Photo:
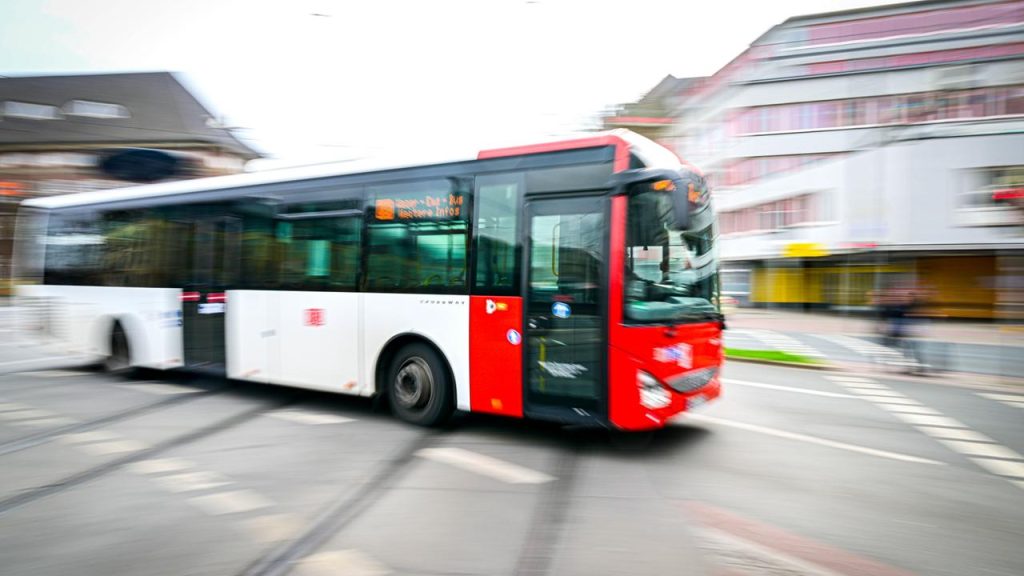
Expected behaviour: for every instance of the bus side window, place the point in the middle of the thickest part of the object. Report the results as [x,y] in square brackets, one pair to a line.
[74,249]
[316,245]
[259,262]
[416,237]
[497,228]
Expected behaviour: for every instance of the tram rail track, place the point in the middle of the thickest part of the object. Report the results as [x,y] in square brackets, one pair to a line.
[44,436]
[73,480]
[346,508]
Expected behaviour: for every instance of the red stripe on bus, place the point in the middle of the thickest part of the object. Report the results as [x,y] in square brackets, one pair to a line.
[624,408]
[496,355]
[216,297]
[621,162]
[1008,194]
[190,296]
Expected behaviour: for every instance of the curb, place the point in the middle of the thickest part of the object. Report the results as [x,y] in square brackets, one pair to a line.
[967,380]
[970,380]
[781,363]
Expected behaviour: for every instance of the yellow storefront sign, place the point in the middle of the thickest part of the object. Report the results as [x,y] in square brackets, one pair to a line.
[804,250]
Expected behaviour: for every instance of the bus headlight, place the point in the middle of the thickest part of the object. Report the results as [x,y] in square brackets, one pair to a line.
[652,393]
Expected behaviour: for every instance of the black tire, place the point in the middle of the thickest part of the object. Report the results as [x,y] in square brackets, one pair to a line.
[119,361]
[419,389]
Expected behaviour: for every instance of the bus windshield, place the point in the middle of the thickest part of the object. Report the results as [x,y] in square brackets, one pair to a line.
[671,275]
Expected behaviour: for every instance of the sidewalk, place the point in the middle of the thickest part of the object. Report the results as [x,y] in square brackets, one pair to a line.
[959,350]
[954,332]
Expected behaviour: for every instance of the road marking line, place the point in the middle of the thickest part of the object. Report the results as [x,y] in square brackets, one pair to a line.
[274,527]
[485,465]
[26,414]
[160,465]
[891,400]
[981,449]
[850,379]
[926,420]
[1007,399]
[905,409]
[865,386]
[733,548]
[192,481]
[156,388]
[347,562]
[89,436]
[786,388]
[784,342]
[809,439]
[862,347]
[880,392]
[1002,467]
[304,417]
[820,555]
[113,447]
[234,502]
[54,421]
[1002,397]
[955,434]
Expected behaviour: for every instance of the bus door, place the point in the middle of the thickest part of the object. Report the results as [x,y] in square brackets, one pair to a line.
[213,256]
[564,334]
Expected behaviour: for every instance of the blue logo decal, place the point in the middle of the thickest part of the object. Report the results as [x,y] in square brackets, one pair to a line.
[513,336]
[561,310]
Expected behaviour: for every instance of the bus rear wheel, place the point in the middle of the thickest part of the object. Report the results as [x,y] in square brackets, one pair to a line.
[119,361]
[419,389]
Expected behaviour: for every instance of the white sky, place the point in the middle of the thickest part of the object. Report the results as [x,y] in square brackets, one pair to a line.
[312,80]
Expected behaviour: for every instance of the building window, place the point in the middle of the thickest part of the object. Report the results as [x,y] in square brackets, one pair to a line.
[89,109]
[914,23]
[992,197]
[30,111]
[805,209]
[749,170]
[917,107]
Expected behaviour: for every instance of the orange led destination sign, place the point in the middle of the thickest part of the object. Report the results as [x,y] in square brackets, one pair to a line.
[427,207]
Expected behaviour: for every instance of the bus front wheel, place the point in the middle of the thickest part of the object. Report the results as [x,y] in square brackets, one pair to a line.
[419,389]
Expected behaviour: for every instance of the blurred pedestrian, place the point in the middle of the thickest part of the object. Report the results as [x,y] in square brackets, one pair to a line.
[901,311]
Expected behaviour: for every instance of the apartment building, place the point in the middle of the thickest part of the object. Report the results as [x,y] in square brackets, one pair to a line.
[850,150]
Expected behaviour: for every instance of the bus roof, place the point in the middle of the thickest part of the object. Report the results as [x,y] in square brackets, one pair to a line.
[625,141]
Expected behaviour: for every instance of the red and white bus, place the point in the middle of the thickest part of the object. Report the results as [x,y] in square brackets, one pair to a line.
[574,280]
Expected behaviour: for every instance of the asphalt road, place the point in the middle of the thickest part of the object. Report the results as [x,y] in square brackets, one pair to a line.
[792,472]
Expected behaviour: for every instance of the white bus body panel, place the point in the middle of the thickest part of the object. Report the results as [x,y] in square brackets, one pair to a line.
[249,329]
[82,317]
[303,339]
[318,334]
[441,319]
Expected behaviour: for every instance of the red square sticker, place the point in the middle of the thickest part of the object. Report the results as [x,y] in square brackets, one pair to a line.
[314,316]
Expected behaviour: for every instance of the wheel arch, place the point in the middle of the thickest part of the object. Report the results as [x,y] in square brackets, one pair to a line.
[133,332]
[387,353]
